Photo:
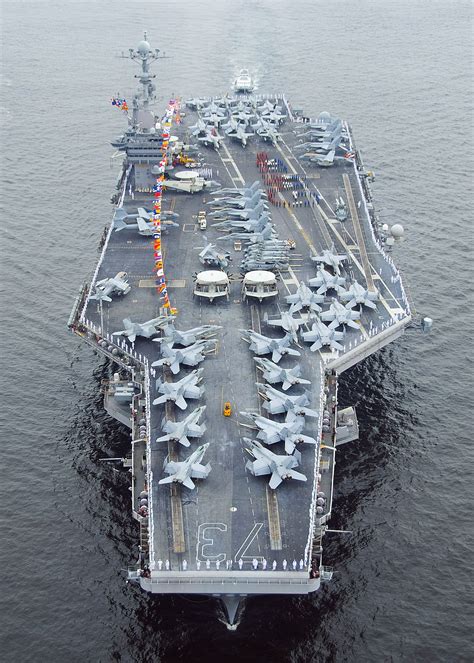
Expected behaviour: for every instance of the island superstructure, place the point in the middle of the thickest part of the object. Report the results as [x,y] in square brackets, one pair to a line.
[243,270]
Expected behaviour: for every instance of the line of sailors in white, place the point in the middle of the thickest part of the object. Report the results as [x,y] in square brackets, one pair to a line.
[228,565]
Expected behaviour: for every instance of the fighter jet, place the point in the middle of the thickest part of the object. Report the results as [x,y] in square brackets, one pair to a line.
[196,103]
[322,147]
[357,294]
[177,392]
[118,285]
[249,225]
[246,214]
[274,374]
[253,238]
[199,128]
[241,134]
[213,119]
[266,462]
[180,431]
[239,202]
[213,108]
[326,160]
[122,215]
[171,335]
[325,281]
[245,191]
[276,402]
[287,322]
[274,116]
[192,355]
[184,472]
[320,336]
[145,329]
[340,315]
[263,345]
[211,138]
[323,132]
[331,259]
[212,257]
[243,116]
[288,431]
[268,132]
[304,298]
[145,228]
[268,107]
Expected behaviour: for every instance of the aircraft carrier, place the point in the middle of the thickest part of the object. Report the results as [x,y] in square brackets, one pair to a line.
[243,270]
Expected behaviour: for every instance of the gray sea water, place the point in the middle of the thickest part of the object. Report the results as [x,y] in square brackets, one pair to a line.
[401,72]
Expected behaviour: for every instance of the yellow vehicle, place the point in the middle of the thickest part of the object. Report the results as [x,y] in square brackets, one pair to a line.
[184,159]
[227,409]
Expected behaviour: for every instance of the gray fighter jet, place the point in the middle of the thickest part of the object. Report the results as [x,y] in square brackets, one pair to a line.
[304,298]
[199,128]
[273,373]
[340,315]
[180,431]
[323,132]
[358,295]
[254,238]
[188,337]
[325,281]
[245,191]
[214,119]
[145,329]
[322,147]
[241,134]
[250,200]
[122,215]
[267,131]
[192,355]
[288,431]
[196,103]
[277,402]
[274,116]
[250,225]
[263,345]
[247,212]
[331,259]
[187,387]
[326,160]
[266,462]
[118,285]
[320,336]
[144,227]
[287,322]
[212,257]
[268,107]
[184,472]
[213,108]
[211,138]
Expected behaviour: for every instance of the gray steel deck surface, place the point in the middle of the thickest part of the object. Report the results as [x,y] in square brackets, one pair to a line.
[226,516]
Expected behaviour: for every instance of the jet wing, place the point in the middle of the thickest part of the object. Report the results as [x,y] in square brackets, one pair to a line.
[193,392]
[199,471]
[259,467]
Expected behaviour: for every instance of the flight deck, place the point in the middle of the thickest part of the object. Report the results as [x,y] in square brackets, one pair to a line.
[317,232]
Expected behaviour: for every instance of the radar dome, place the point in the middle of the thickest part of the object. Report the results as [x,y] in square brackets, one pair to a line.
[324,117]
[397,230]
[143,48]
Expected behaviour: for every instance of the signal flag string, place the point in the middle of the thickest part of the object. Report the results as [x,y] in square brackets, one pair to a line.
[172,111]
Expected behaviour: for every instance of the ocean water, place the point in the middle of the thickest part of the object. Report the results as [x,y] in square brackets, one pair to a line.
[401,73]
